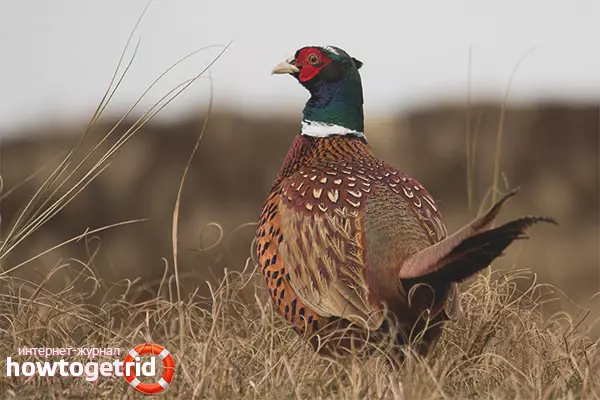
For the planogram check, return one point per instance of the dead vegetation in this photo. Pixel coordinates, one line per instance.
(235, 345)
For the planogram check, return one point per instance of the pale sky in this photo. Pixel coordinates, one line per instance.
(57, 56)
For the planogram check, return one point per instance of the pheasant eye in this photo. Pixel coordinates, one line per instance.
(313, 59)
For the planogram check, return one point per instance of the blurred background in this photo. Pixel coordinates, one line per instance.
(436, 77)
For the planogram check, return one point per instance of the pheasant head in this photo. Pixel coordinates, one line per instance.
(331, 76)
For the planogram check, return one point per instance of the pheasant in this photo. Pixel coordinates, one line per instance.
(346, 240)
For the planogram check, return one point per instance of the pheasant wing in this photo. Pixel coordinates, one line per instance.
(322, 217)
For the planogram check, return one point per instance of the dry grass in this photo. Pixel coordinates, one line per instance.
(236, 345)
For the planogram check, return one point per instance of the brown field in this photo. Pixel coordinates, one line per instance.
(518, 338)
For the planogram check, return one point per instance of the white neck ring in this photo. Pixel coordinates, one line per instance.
(323, 129)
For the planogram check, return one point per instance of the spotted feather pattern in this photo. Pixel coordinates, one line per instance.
(330, 185)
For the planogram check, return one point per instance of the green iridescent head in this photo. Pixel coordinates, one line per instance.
(332, 78)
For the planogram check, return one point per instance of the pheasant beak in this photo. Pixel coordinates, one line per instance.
(286, 67)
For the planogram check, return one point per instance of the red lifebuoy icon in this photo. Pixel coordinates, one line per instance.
(163, 354)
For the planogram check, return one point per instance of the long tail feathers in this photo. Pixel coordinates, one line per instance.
(476, 252)
(467, 251)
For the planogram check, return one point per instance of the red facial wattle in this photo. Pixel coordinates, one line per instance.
(309, 70)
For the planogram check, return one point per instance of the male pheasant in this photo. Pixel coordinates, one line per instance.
(345, 239)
